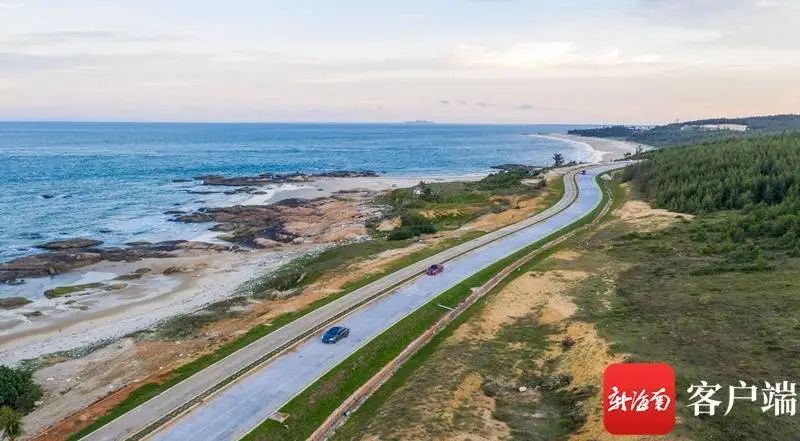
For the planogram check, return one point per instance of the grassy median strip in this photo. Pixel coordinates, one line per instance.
(150, 390)
(312, 406)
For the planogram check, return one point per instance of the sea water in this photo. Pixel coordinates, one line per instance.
(114, 181)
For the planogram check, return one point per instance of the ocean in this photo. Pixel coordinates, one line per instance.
(113, 181)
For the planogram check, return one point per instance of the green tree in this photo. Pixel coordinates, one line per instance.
(18, 390)
(558, 159)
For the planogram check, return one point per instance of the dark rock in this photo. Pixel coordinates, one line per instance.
(202, 192)
(348, 174)
(173, 270)
(241, 190)
(15, 282)
(174, 212)
(105, 231)
(292, 202)
(33, 314)
(48, 196)
(195, 217)
(181, 180)
(78, 242)
(45, 264)
(133, 276)
(144, 270)
(271, 178)
(223, 228)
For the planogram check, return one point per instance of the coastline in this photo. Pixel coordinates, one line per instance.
(603, 149)
(46, 326)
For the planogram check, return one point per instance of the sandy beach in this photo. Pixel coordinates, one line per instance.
(55, 325)
(602, 149)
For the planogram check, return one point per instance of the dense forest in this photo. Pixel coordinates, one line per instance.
(682, 133)
(758, 177)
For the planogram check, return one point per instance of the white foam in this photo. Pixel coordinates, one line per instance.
(595, 155)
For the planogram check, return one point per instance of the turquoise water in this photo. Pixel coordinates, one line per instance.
(113, 181)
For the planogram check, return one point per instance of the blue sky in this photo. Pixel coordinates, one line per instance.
(453, 60)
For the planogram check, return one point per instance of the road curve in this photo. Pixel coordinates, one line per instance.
(236, 410)
(242, 405)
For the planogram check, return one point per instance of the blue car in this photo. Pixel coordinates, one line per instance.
(335, 334)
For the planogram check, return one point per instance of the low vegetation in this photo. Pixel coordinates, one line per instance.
(429, 207)
(63, 291)
(18, 396)
(13, 302)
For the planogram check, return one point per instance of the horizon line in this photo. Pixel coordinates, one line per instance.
(421, 122)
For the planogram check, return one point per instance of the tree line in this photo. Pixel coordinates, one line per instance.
(757, 178)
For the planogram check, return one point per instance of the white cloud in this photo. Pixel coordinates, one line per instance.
(542, 55)
(519, 55)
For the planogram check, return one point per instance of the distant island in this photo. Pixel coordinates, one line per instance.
(420, 122)
(695, 131)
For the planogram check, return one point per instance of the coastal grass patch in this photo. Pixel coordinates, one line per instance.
(13, 302)
(186, 326)
(312, 406)
(448, 205)
(63, 291)
(719, 326)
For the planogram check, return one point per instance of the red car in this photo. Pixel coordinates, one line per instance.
(434, 269)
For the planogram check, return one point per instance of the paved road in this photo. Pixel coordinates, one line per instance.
(175, 397)
(236, 410)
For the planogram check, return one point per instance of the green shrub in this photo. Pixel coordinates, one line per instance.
(419, 230)
(401, 233)
(17, 389)
(10, 424)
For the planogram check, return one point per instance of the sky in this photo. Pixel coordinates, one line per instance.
(462, 61)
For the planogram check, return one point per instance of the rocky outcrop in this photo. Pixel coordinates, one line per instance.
(57, 262)
(67, 244)
(321, 220)
(276, 178)
(196, 217)
(531, 170)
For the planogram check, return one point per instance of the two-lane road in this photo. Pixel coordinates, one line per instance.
(243, 405)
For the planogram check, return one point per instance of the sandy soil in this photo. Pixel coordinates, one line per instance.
(645, 218)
